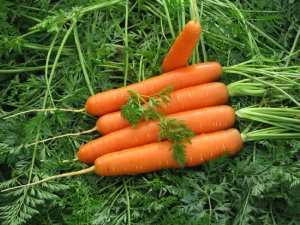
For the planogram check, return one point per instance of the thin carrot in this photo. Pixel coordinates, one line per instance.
(195, 97)
(202, 120)
(112, 100)
(156, 156)
(183, 46)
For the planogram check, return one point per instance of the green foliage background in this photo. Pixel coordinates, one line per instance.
(57, 53)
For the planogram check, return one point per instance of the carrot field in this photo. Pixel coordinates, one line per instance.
(56, 54)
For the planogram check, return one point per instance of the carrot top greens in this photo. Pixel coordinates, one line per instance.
(141, 106)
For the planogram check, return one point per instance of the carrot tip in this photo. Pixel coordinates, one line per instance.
(70, 160)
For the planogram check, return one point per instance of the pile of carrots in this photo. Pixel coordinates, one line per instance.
(197, 99)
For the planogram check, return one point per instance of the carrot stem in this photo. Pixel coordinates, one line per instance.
(81, 58)
(286, 118)
(126, 45)
(267, 83)
(127, 201)
(293, 48)
(272, 132)
(270, 89)
(193, 9)
(94, 7)
(27, 69)
(202, 42)
(168, 18)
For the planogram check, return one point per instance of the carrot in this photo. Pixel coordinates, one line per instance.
(195, 97)
(207, 94)
(183, 46)
(202, 120)
(112, 100)
(155, 156)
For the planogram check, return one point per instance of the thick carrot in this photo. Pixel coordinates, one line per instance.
(183, 46)
(155, 156)
(202, 120)
(195, 97)
(112, 100)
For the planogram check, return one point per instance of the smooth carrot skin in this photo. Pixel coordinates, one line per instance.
(199, 96)
(155, 156)
(183, 46)
(111, 122)
(202, 120)
(195, 97)
(112, 100)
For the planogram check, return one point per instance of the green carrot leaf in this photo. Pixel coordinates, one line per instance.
(176, 132)
(132, 112)
(138, 107)
(172, 129)
(179, 153)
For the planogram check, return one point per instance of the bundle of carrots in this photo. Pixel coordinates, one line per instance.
(132, 150)
(197, 100)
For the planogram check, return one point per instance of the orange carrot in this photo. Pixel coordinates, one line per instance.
(183, 46)
(155, 156)
(112, 100)
(202, 120)
(195, 97)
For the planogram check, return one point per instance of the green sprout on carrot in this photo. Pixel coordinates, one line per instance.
(142, 106)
